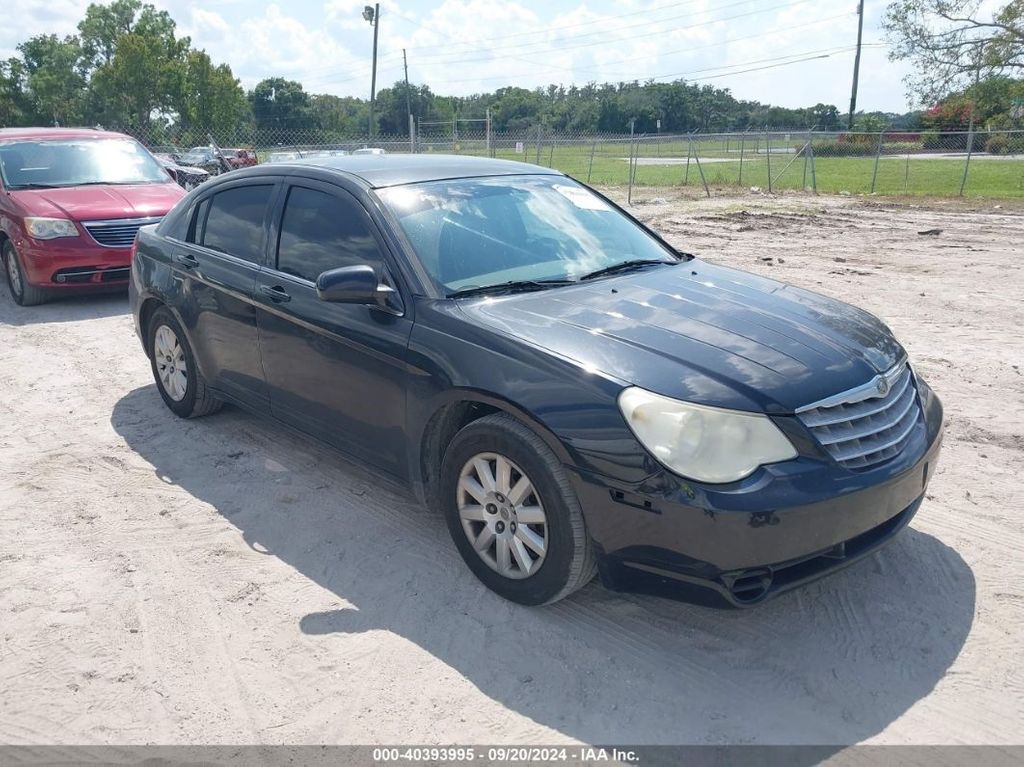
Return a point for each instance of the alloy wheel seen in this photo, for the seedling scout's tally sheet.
(172, 369)
(502, 515)
(13, 272)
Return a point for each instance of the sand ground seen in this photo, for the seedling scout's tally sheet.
(215, 581)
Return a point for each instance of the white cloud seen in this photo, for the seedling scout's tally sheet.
(464, 46)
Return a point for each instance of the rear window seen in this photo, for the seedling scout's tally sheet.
(234, 221)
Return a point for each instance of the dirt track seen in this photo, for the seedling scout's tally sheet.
(214, 581)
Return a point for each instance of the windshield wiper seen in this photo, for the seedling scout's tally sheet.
(34, 185)
(111, 183)
(512, 286)
(625, 266)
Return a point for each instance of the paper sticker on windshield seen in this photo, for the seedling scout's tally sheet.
(581, 198)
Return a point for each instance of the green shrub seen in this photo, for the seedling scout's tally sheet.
(1000, 143)
(900, 147)
(845, 148)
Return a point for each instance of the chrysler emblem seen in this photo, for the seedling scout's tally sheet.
(883, 387)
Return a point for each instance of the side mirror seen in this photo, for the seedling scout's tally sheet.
(352, 285)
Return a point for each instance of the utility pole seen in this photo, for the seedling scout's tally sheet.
(856, 64)
(408, 102)
(372, 15)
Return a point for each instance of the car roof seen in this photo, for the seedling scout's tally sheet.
(11, 134)
(380, 170)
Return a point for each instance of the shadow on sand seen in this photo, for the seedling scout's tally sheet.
(833, 663)
(70, 308)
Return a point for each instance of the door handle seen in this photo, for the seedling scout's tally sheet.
(187, 260)
(276, 293)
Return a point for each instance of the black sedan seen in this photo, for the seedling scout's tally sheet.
(572, 393)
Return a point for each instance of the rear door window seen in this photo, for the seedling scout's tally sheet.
(233, 223)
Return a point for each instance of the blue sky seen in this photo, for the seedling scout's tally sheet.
(465, 46)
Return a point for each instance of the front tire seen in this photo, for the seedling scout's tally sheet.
(177, 376)
(513, 514)
(23, 292)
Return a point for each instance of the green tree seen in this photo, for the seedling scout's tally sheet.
(211, 100)
(55, 78)
(953, 43)
(103, 26)
(279, 103)
(339, 115)
(14, 105)
(145, 74)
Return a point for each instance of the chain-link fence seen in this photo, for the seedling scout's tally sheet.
(971, 163)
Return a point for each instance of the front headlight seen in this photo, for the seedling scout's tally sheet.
(50, 228)
(703, 443)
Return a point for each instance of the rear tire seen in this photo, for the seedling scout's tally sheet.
(177, 376)
(23, 292)
(503, 488)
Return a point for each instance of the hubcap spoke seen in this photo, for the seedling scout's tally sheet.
(483, 473)
(472, 513)
(531, 539)
(484, 540)
(503, 475)
(523, 558)
(504, 560)
(473, 488)
(530, 515)
(521, 491)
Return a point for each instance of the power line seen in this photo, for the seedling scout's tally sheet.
(548, 30)
(493, 53)
(729, 41)
(545, 31)
(821, 53)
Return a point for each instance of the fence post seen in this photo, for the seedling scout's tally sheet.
(696, 157)
(538, 145)
(590, 168)
(689, 151)
(814, 172)
(636, 157)
(768, 157)
(743, 143)
(412, 134)
(803, 183)
(878, 154)
(629, 179)
(632, 150)
(551, 154)
(967, 162)
(906, 176)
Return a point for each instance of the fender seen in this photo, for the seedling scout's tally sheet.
(420, 420)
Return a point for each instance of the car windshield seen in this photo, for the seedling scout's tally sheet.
(31, 163)
(478, 232)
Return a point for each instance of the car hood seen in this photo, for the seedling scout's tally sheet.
(702, 333)
(91, 203)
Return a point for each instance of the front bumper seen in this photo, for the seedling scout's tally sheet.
(739, 545)
(73, 264)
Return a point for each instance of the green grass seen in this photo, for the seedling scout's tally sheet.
(607, 164)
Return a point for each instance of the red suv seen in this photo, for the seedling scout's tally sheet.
(71, 202)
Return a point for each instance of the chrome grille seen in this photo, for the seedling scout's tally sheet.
(869, 424)
(118, 233)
